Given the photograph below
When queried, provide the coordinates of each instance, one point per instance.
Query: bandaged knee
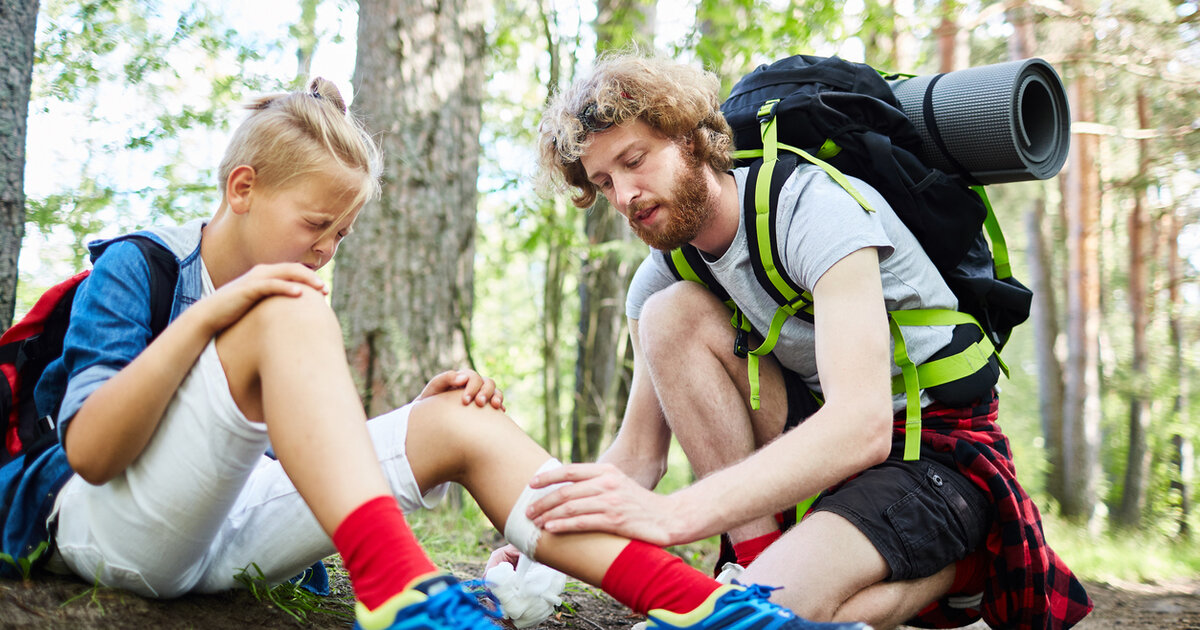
(518, 529)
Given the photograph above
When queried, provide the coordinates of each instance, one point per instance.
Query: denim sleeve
(110, 325)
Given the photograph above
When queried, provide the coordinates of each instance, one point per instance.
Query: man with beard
(887, 539)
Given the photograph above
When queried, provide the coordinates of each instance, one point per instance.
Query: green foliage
(292, 599)
(24, 565)
(1110, 556)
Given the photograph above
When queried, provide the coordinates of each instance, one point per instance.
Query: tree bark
(604, 276)
(305, 32)
(1137, 469)
(1183, 458)
(18, 28)
(1081, 201)
(403, 283)
(1045, 336)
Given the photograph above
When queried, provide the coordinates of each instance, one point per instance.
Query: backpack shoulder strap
(686, 264)
(164, 274)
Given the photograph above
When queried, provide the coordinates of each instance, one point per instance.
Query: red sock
(747, 550)
(379, 550)
(644, 577)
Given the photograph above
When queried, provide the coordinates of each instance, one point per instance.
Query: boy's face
(654, 182)
(304, 220)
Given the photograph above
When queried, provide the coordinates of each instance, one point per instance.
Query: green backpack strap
(685, 263)
(763, 184)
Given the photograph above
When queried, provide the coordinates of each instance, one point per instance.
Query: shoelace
(461, 607)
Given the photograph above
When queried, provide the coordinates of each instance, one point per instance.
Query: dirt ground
(57, 602)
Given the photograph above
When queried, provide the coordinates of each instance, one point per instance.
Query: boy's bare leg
(492, 457)
(286, 366)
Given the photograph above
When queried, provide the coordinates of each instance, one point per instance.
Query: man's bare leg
(703, 386)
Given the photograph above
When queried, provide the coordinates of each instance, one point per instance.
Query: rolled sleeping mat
(1006, 122)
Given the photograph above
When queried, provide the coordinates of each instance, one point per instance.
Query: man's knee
(683, 313)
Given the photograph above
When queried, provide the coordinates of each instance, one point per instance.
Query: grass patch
(1127, 556)
(452, 535)
(294, 600)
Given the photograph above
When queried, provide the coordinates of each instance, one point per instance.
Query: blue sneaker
(435, 603)
(737, 607)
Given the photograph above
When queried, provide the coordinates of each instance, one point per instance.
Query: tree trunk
(1045, 336)
(403, 283)
(18, 26)
(1081, 201)
(603, 278)
(1137, 470)
(305, 32)
(1045, 304)
(1183, 458)
(947, 35)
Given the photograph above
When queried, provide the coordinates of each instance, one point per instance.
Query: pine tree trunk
(18, 26)
(1045, 336)
(1081, 416)
(403, 282)
(1137, 469)
(305, 31)
(603, 276)
(1183, 457)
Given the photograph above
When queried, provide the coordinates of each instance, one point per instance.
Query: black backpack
(844, 118)
(32, 343)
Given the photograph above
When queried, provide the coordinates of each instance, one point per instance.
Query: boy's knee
(449, 423)
(290, 314)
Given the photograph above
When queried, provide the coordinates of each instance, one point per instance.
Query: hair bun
(325, 89)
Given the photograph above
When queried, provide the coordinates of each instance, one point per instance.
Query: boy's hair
(294, 134)
(676, 100)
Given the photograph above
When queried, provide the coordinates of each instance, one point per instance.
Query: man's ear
(238, 188)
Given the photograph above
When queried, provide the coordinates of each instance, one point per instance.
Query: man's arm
(850, 433)
(640, 448)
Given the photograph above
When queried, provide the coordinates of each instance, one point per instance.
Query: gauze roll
(518, 529)
(527, 594)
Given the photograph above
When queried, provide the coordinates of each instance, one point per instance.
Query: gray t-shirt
(818, 224)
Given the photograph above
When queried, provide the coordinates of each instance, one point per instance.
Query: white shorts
(202, 501)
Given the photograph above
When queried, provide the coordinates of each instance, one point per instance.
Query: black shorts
(921, 515)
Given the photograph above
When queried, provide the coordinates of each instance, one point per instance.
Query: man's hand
(475, 388)
(603, 499)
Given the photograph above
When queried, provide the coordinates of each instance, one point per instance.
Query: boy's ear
(238, 188)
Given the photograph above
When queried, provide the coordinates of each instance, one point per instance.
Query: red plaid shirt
(1027, 585)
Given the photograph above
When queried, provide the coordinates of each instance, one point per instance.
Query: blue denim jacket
(110, 325)
(110, 319)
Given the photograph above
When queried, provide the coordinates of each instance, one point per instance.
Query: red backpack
(34, 342)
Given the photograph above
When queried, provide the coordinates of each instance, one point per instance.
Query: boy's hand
(225, 307)
(475, 388)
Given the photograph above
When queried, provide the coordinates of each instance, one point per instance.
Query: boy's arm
(850, 433)
(117, 419)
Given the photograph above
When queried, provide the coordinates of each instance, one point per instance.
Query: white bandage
(527, 594)
(518, 529)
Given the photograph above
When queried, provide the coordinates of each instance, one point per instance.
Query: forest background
(114, 114)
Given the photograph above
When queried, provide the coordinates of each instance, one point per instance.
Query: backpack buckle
(741, 347)
(767, 111)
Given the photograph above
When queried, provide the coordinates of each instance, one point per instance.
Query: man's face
(655, 183)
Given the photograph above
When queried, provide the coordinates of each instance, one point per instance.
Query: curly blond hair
(677, 100)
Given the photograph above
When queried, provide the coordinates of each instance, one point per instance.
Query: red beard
(687, 211)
